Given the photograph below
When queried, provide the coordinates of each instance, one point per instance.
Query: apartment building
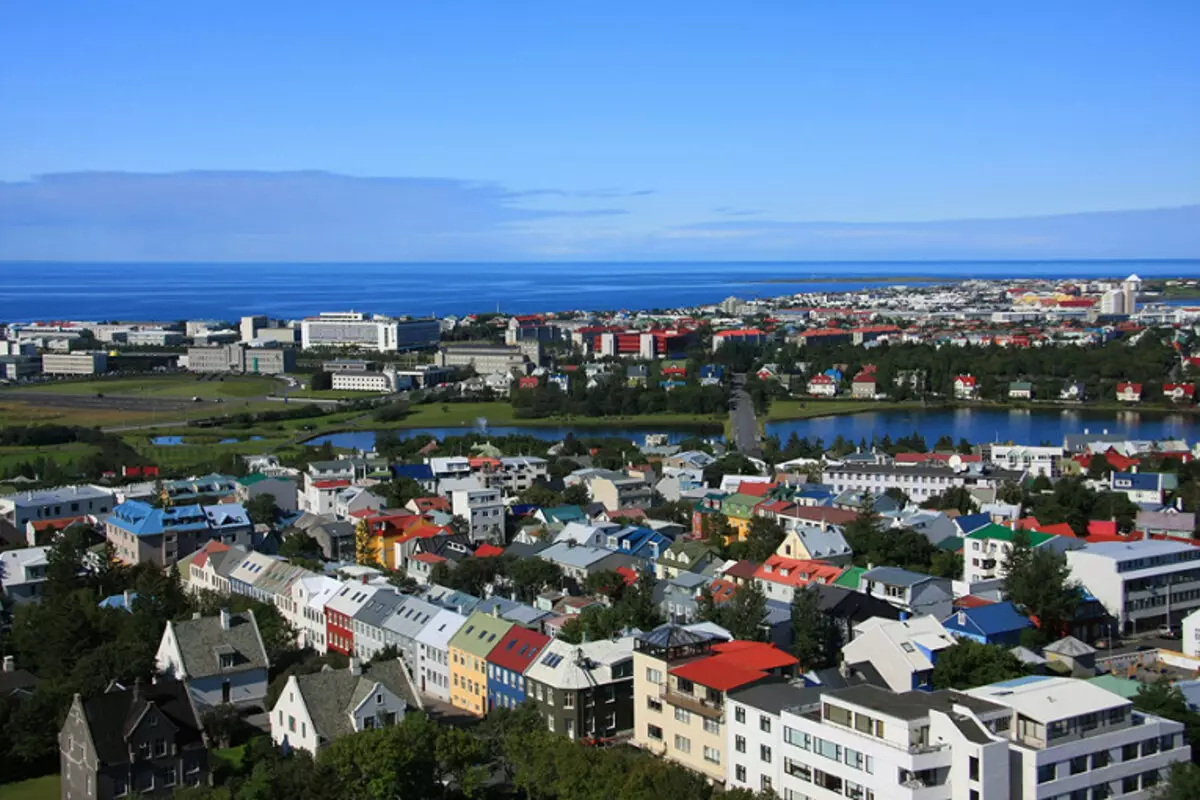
(617, 491)
(339, 616)
(139, 532)
(681, 680)
(78, 363)
(512, 474)
(1142, 584)
(364, 381)
(433, 653)
(67, 501)
(308, 596)
(754, 732)
(368, 332)
(919, 481)
(584, 690)
(1021, 458)
(487, 359)
(481, 507)
(237, 357)
(986, 550)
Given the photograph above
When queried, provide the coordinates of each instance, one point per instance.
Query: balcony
(705, 708)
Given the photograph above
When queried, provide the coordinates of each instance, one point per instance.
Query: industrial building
(238, 357)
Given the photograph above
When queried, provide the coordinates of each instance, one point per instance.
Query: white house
(903, 652)
(316, 709)
(965, 387)
(482, 508)
(23, 574)
(220, 659)
(1129, 392)
(1034, 460)
(307, 609)
(754, 747)
(433, 653)
(1190, 637)
(822, 386)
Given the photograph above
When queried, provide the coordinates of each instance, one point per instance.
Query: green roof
(250, 480)
(743, 504)
(951, 544)
(1004, 534)
(1120, 686)
(1020, 385)
(479, 634)
(849, 578)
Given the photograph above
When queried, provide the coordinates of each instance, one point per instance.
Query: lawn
(62, 453)
(47, 787)
(499, 413)
(175, 385)
(804, 409)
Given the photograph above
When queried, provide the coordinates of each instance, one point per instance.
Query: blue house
(506, 665)
(672, 384)
(711, 374)
(996, 623)
(969, 523)
(421, 473)
(639, 542)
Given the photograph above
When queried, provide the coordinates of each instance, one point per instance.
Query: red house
(1179, 392)
(528, 382)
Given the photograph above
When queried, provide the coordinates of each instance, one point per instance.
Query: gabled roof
(1003, 534)
(517, 649)
(987, 620)
(331, 696)
(479, 634)
(199, 641)
(109, 715)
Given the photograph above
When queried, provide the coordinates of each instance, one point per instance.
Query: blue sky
(590, 129)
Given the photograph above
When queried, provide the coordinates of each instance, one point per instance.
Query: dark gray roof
(774, 694)
(843, 603)
(894, 576)
(330, 695)
(381, 606)
(110, 714)
(201, 640)
(16, 681)
(411, 616)
(670, 635)
(970, 729)
(522, 550)
(910, 705)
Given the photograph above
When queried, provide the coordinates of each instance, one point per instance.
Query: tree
(815, 639)
(221, 723)
(1183, 783)
(762, 539)
(364, 553)
(717, 530)
(946, 564)
(398, 491)
(742, 615)
(637, 604)
(1164, 699)
(321, 381)
(898, 494)
(969, 664)
(1038, 581)
(1010, 493)
(300, 545)
(956, 498)
(463, 759)
(540, 495)
(729, 464)
(576, 495)
(459, 525)
(262, 509)
(605, 583)
(528, 577)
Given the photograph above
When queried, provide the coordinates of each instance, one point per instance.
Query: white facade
(481, 508)
(66, 501)
(433, 654)
(1034, 460)
(1190, 637)
(307, 610)
(1143, 584)
(903, 652)
(74, 363)
(753, 746)
(364, 381)
(920, 482)
(23, 574)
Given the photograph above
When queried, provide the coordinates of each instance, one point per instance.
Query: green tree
(398, 491)
(576, 495)
(529, 577)
(742, 615)
(815, 638)
(637, 604)
(463, 759)
(540, 495)
(262, 509)
(717, 530)
(1164, 699)
(1037, 580)
(606, 583)
(1183, 783)
(762, 539)
(321, 381)
(956, 498)
(300, 545)
(969, 664)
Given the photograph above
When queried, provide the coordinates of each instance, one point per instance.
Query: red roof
(742, 569)
(1136, 387)
(1117, 461)
(517, 649)
(340, 484)
(965, 380)
(775, 507)
(922, 458)
(1187, 389)
(61, 523)
(864, 377)
(722, 591)
(734, 664)
(796, 571)
(627, 574)
(740, 332)
(427, 558)
(363, 513)
(755, 488)
(488, 551)
(820, 379)
(1101, 528)
(426, 504)
(971, 601)
(212, 547)
(627, 513)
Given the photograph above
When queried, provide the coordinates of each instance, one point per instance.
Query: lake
(1020, 426)
(975, 425)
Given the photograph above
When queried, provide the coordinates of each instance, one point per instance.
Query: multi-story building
(584, 690)
(617, 491)
(985, 550)
(513, 473)
(1021, 458)
(486, 359)
(482, 508)
(263, 329)
(919, 481)
(469, 648)
(139, 532)
(1142, 584)
(913, 593)
(77, 363)
(23, 507)
(370, 635)
(23, 574)
(506, 665)
(238, 357)
(145, 740)
(154, 337)
(433, 653)
(355, 381)
(401, 628)
(309, 595)
(754, 732)
(681, 680)
(355, 329)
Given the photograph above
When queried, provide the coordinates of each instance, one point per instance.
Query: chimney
(10, 664)
(355, 666)
(137, 690)
(496, 611)
(224, 619)
(363, 579)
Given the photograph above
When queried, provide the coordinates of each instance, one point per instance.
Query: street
(744, 423)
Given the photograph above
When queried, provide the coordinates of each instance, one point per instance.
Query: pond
(172, 441)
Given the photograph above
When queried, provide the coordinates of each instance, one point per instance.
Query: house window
(739, 714)
(170, 776)
(712, 726)
(654, 732)
(712, 755)
(682, 715)
(653, 675)
(160, 747)
(683, 744)
(973, 768)
(739, 743)
(739, 772)
(764, 753)
(226, 660)
(653, 704)
(764, 723)
(292, 724)
(569, 700)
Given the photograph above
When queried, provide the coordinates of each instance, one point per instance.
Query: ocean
(173, 291)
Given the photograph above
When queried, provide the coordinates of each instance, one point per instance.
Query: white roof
(1127, 551)
(56, 496)
(320, 589)
(448, 485)
(908, 637)
(579, 666)
(351, 598)
(14, 562)
(437, 632)
(1046, 699)
(252, 566)
(580, 533)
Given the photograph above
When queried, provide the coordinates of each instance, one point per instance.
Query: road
(741, 414)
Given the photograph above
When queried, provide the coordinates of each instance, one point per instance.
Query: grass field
(182, 386)
(806, 409)
(47, 787)
(500, 413)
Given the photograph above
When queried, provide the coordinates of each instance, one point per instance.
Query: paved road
(745, 426)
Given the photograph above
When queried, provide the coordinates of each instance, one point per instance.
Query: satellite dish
(955, 461)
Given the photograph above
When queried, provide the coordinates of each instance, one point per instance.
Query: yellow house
(469, 650)
(739, 510)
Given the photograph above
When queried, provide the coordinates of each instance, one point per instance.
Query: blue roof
(143, 519)
(118, 601)
(895, 576)
(1027, 679)
(989, 620)
(564, 513)
(712, 371)
(418, 472)
(1138, 481)
(969, 523)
